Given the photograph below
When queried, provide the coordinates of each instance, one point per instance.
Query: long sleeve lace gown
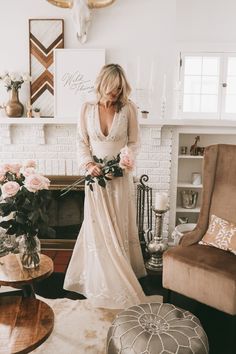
(107, 257)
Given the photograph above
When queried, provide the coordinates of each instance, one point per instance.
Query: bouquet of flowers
(23, 205)
(110, 168)
(14, 80)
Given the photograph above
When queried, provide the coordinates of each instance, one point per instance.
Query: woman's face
(114, 94)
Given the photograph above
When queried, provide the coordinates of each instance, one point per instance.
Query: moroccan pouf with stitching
(156, 328)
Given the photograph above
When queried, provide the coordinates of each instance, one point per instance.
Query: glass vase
(29, 251)
(14, 108)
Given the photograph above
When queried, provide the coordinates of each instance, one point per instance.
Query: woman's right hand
(94, 169)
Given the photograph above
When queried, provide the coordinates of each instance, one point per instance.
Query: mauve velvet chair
(205, 273)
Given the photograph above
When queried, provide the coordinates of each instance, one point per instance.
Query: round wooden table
(25, 322)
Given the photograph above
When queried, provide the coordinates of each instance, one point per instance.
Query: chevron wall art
(44, 36)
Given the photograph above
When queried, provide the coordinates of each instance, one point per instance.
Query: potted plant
(144, 114)
(13, 82)
(25, 197)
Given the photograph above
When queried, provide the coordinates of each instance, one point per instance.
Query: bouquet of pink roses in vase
(25, 197)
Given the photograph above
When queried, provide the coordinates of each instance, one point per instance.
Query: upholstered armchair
(202, 272)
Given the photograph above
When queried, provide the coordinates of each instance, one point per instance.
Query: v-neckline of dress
(99, 124)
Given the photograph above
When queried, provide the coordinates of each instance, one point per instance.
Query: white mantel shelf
(65, 121)
(142, 121)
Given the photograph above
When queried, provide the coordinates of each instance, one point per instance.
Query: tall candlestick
(151, 77)
(138, 72)
(164, 87)
(161, 201)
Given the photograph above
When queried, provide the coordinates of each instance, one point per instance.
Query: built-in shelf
(184, 210)
(190, 157)
(189, 185)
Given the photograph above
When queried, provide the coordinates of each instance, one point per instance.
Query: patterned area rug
(79, 327)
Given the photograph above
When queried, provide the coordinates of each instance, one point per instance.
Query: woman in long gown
(107, 258)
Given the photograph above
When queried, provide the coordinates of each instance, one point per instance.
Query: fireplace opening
(65, 212)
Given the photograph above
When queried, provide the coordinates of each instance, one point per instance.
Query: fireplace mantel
(6, 121)
(39, 124)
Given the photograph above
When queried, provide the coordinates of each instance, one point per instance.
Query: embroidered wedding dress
(107, 258)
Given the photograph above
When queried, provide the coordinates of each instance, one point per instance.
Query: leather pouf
(156, 328)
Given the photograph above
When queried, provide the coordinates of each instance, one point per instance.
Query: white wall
(127, 29)
(206, 22)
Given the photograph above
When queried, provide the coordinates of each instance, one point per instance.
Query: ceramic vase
(14, 108)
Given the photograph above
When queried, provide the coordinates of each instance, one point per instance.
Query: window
(208, 85)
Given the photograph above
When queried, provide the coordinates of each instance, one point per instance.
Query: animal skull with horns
(81, 13)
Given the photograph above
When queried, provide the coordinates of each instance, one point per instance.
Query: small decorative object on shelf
(182, 220)
(196, 150)
(193, 148)
(157, 246)
(14, 108)
(196, 178)
(36, 112)
(163, 107)
(163, 98)
(24, 201)
(189, 199)
(145, 114)
(183, 150)
(29, 110)
(13, 82)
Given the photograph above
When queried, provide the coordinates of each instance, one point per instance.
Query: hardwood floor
(60, 259)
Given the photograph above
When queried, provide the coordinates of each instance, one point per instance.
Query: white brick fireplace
(53, 147)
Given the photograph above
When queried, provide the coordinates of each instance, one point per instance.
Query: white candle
(164, 87)
(161, 201)
(151, 77)
(138, 72)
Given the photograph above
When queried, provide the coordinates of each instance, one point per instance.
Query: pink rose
(2, 174)
(126, 159)
(9, 189)
(36, 182)
(2, 177)
(28, 171)
(6, 167)
(13, 168)
(30, 163)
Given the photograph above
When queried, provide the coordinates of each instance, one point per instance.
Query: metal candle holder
(156, 245)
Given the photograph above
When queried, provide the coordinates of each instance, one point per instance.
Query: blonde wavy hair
(112, 77)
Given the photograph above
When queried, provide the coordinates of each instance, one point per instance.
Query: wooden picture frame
(44, 36)
(75, 71)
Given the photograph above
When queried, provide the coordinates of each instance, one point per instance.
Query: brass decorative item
(81, 13)
(92, 4)
(14, 108)
(156, 246)
(193, 148)
(196, 150)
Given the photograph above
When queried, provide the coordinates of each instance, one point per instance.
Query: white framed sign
(75, 71)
